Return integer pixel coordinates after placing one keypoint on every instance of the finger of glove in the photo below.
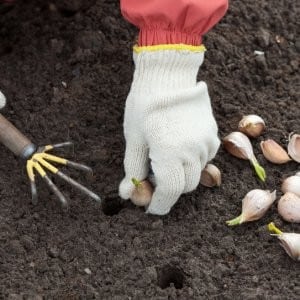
(192, 171)
(170, 182)
(136, 165)
(213, 147)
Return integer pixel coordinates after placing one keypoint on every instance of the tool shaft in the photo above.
(14, 140)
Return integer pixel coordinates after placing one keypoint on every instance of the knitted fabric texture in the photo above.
(169, 125)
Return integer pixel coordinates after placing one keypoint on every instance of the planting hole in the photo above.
(168, 275)
(112, 206)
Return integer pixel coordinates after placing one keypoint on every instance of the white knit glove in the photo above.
(169, 120)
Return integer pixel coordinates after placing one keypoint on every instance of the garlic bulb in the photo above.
(289, 207)
(2, 100)
(210, 176)
(238, 144)
(290, 241)
(254, 206)
(142, 194)
(252, 125)
(273, 152)
(294, 147)
(292, 185)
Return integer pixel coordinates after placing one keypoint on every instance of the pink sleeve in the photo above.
(173, 21)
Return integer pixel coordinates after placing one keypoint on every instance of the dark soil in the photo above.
(115, 250)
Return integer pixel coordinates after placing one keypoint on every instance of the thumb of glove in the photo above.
(136, 166)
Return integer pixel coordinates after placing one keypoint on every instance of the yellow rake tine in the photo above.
(47, 165)
(54, 158)
(59, 145)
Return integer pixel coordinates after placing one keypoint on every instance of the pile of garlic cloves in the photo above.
(257, 202)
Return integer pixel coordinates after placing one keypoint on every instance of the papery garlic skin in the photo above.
(291, 184)
(254, 206)
(294, 147)
(210, 176)
(289, 207)
(291, 243)
(142, 194)
(2, 100)
(239, 145)
(252, 125)
(273, 152)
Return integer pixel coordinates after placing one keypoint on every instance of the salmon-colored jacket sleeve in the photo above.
(173, 21)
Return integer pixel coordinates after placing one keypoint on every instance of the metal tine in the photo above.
(55, 190)
(78, 166)
(64, 144)
(78, 186)
(34, 195)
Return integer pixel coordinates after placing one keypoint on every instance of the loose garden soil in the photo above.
(115, 250)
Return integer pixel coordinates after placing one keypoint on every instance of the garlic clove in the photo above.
(142, 194)
(294, 147)
(239, 145)
(2, 100)
(254, 206)
(273, 152)
(291, 184)
(289, 207)
(210, 176)
(252, 125)
(290, 241)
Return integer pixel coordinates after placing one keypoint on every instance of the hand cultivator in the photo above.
(39, 161)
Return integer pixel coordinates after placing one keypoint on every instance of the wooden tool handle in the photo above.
(14, 140)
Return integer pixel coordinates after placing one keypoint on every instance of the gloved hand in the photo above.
(168, 117)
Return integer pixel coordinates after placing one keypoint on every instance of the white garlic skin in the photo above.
(273, 152)
(291, 243)
(252, 125)
(294, 147)
(210, 176)
(256, 203)
(239, 145)
(142, 194)
(292, 185)
(2, 100)
(289, 207)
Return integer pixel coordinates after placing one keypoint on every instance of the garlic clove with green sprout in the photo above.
(142, 194)
(239, 145)
(290, 241)
(294, 147)
(254, 206)
(273, 152)
(289, 207)
(291, 184)
(252, 125)
(210, 176)
(2, 100)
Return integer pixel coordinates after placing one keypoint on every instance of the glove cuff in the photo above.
(166, 68)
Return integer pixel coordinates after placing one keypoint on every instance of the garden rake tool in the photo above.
(39, 161)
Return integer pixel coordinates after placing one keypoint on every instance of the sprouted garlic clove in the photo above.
(142, 194)
(210, 176)
(273, 152)
(254, 206)
(239, 145)
(290, 241)
(252, 125)
(294, 147)
(291, 184)
(289, 207)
